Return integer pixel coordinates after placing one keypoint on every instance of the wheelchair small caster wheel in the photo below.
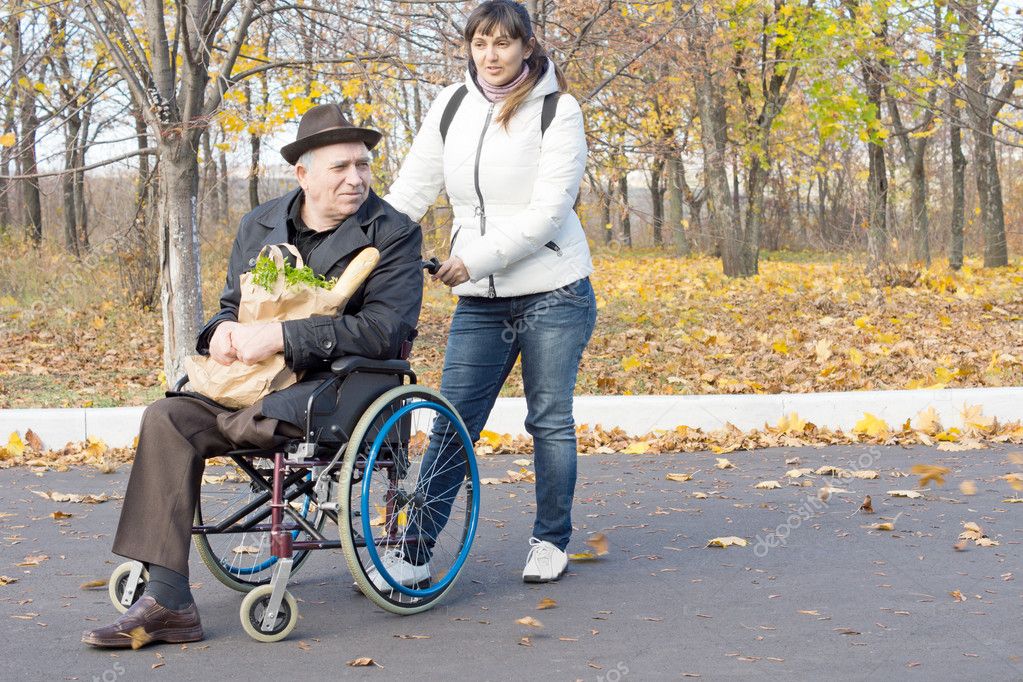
(253, 610)
(118, 585)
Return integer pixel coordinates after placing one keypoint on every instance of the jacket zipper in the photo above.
(555, 248)
(481, 210)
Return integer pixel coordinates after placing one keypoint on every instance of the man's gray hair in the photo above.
(306, 160)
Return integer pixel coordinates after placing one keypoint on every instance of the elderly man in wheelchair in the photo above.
(356, 443)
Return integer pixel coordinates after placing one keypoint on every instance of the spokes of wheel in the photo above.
(410, 515)
(242, 559)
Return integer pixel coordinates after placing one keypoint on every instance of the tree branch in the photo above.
(91, 166)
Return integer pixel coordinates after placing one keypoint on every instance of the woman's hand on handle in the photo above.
(452, 272)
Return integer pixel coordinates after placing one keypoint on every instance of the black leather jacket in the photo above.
(378, 319)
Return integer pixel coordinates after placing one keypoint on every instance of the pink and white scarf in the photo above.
(496, 93)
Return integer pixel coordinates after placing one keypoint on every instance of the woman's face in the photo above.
(499, 58)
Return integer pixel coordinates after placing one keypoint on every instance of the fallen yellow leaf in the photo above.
(727, 541)
(930, 472)
(362, 662)
(638, 448)
(15, 446)
(927, 421)
(791, 423)
(582, 556)
(975, 421)
(904, 493)
(871, 426)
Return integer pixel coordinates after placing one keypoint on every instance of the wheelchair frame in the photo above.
(268, 611)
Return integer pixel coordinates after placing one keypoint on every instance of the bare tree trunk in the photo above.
(207, 179)
(180, 274)
(656, 185)
(12, 33)
(694, 201)
(81, 205)
(623, 194)
(877, 181)
(955, 258)
(996, 253)
(224, 188)
(67, 191)
(756, 183)
(724, 223)
(673, 205)
(606, 201)
(30, 197)
(67, 188)
(918, 203)
(983, 114)
(142, 181)
(254, 171)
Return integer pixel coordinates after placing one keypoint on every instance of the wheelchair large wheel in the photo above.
(408, 466)
(242, 560)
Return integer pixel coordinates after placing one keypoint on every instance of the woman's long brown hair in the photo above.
(511, 19)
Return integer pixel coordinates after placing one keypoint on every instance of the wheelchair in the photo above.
(381, 463)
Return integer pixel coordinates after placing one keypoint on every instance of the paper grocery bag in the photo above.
(239, 385)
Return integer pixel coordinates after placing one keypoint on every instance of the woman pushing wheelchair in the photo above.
(509, 147)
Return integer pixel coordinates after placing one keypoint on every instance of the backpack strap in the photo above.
(449, 111)
(550, 108)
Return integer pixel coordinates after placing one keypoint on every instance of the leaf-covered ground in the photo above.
(666, 326)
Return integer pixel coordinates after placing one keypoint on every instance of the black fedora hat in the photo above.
(322, 125)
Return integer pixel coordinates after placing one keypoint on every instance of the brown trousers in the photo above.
(178, 434)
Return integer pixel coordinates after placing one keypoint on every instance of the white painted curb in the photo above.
(636, 415)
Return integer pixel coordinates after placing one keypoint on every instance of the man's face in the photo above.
(338, 179)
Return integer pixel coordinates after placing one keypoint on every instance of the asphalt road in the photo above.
(835, 598)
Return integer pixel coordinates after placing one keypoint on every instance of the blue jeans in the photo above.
(549, 330)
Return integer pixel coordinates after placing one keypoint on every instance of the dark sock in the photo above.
(169, 588)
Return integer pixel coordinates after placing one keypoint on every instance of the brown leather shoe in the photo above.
(146, 622)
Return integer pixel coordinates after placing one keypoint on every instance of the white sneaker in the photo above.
(544, 563)
(403, 572)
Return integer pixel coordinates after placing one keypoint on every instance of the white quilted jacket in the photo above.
(511, 192)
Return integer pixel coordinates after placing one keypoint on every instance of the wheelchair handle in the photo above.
(431, 266)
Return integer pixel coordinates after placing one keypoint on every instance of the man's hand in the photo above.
(221, 347)
(452, 272)
(257, 341)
